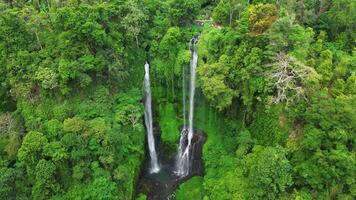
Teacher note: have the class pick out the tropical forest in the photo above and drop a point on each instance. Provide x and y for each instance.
(177, 99)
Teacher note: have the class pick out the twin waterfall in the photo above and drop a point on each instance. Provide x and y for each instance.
(148, 121)
(183, 164)
(184, 158)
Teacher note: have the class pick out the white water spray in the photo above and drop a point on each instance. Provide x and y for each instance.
(148, 121)
(184, 99)
(183, 164)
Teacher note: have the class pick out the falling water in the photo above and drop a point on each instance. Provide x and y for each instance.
(148, 121)
(183, 164)
(184, 100)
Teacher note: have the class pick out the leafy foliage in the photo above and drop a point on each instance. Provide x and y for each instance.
(275, 97)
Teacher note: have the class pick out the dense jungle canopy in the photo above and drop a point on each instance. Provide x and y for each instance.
(275, 96)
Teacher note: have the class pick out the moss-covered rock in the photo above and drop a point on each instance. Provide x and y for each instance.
(169, 124)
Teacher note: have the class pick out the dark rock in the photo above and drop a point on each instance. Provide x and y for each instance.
(159, 186)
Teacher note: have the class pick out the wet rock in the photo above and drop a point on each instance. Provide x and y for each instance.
(160, 186)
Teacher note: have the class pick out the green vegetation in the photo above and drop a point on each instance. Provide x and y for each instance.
(276, 96)
(192, 189)
(169, 126)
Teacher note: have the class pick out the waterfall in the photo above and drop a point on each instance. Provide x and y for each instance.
(183, 163)
(148, 121)
(184, 100)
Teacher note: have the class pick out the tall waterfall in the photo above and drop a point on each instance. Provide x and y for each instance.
(148, 121)
(183, 164)
(184, 99)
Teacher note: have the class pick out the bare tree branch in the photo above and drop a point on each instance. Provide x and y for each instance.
(288, 74)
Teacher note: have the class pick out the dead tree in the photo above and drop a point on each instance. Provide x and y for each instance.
(288, 75)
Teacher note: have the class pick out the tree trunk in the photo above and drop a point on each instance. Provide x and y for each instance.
(38, 39)
(136, 41)
(231, 14)
(173, 95)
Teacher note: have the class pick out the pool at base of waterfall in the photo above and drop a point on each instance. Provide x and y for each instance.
(161, 185)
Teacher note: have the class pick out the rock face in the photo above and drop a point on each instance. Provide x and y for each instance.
(197, 151)
(159, 186)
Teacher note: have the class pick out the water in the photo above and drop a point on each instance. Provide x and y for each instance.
(184, 100)
(183, 164)
(148, 121)
(172, 169)
(183, 138)
(161, 185)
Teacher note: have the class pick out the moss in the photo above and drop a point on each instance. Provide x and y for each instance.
(141, 197)
(221, 139)
(220, 130)
(169, 124)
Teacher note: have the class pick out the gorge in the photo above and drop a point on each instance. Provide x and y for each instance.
(114, 100)
(184, 157)
(159, 183)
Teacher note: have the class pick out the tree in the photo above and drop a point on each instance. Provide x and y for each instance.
(285, 35)
(268, 172)
(261, 17)
(8, 177)
(325, 65)
(135, 19)
(227, 11)
(128, 111)
(56, 151)
(47, 78)
(182, 11)
(45, 184)
(306, 11)
(31, 151)
(340, 15)
(170, 48)
(192, 189)
(101, 188)
(338, 87)
(169, 44)
(350, 87)
(75, 125)
(245, 75)
(323, 161)
(220, 13)
(212, 81)
(289, 75)
(7, 124)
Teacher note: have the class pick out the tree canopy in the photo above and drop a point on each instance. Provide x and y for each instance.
(276, 93)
